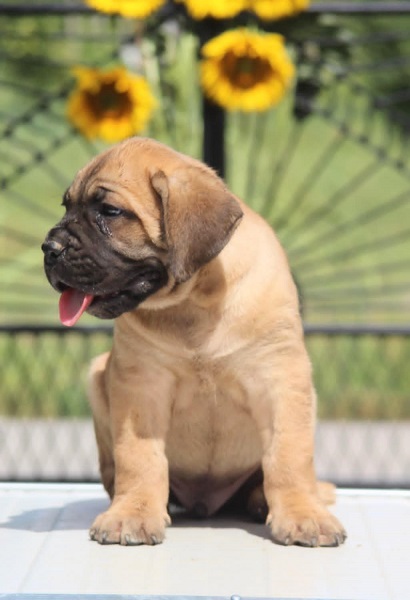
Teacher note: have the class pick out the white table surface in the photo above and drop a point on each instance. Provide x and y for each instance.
(44, 549)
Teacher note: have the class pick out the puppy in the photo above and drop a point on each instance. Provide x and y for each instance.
(208, 381)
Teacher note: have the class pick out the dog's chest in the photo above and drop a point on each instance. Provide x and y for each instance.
(213, 444)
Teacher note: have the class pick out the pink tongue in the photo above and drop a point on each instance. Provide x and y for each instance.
(72, 305)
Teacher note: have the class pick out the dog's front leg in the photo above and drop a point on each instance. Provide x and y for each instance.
(138, 416)
(296, 513)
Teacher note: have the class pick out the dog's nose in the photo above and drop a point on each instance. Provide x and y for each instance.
(52, 250)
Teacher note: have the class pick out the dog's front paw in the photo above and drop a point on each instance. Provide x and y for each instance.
(306, 523)
(129, 528)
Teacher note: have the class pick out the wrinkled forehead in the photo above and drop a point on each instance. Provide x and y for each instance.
(102, 167)
(127, 164)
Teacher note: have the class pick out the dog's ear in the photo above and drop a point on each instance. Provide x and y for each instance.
(199, 217)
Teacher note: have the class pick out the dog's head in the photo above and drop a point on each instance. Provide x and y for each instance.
(137, 216)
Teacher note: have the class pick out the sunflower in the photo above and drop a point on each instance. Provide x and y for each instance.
(245, 70)
(138, 9)
(224, 9)
(277, 9)
(218, 9)
(110, 105)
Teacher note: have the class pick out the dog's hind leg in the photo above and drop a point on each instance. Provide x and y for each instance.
(99, 404)
(257, 506)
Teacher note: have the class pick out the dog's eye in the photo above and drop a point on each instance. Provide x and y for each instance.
(107, 210)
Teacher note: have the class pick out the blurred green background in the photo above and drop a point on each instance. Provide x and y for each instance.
(328, 168)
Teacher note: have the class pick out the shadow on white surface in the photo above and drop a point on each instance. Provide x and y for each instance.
(79, 515)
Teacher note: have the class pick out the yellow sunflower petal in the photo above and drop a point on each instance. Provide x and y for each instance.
(277, 9)
(218, 9)
(138, 9)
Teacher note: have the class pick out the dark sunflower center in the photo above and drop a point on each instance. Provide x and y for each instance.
(246, 71)
(109, 102)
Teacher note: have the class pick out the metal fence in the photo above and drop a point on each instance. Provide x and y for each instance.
(361, 376)
(328, 168)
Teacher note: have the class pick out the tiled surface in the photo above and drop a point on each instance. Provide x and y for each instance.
(44, 549)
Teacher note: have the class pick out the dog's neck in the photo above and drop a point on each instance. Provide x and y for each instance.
(206, 288)
(183, 315)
